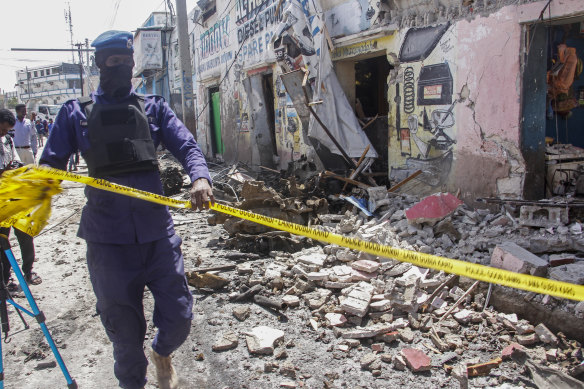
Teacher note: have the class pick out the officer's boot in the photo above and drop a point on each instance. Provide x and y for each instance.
(167, 378)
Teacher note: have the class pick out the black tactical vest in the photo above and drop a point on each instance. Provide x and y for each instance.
(119, 138)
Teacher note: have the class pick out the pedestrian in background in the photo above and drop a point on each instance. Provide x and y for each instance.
(131, 243)
(25, 138)
(9, 159)
(40, 128)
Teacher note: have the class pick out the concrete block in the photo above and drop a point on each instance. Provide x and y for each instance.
(228, 341)
(316, 259)
(537, 216)
(510, 256)
(378, 347)
(382, 305)
(366, 332)
(507, 351)
(261, 340)
(388, 337)
(317, 276)
(416, 360)
(573, 273)
(366, 265)
(244, 268)
(335, 319)
(526, 340)
(274, 270)
(355, 306)
(358, 275)
(291, 300)
(545, 335)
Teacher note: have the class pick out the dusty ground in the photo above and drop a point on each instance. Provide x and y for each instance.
(66, 298)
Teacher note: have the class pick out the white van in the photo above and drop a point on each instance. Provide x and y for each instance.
(47, 111)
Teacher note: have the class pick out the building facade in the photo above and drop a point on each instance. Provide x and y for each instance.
(458, 90)
(55, 84)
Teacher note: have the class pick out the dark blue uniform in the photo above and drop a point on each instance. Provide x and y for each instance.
(131, 243)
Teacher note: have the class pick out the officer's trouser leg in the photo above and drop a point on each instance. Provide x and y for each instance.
(117, 276)
(173, 300)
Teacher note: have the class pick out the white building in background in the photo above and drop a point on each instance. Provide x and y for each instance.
(54, 84)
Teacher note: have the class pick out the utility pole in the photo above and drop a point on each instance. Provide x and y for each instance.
(185, 67)
(87, 51)
(70, 22)
(79, 46)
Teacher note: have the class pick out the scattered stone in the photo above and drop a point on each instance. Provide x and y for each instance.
(523, 327)
(357, 302)
(343, 347)
(528, 339)
(317, 276)
(366, 332)
(244, 268)
(228, 341)
(335, 319)
(507, 351)
(379, 306)
(551, 355)
(406, 335)
(261, 340)
(287, 384)
(545, 335)
(378, 347)
(317, 298)
(291, 301)
(241, 312)
(366, 266)
(367, 361)
(273, 270)
(399, 362)
(416, 360)
(270, 367)
(510, 256)
(288, 369)
(464, 316)
(573, 273)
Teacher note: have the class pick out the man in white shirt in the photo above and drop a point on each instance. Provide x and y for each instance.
(9, 160)
(25, 137)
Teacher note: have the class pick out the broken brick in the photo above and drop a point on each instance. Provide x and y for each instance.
(507, 351)
(416, 360)
(510, 256)
(366, 265)
(433, 208)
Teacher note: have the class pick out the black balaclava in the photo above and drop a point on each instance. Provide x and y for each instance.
(115, 81)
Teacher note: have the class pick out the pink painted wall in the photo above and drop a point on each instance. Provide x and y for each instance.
(488, 67)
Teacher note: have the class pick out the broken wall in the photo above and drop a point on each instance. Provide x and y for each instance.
(455, 88)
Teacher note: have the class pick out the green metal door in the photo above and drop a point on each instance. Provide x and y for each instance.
(216, 107)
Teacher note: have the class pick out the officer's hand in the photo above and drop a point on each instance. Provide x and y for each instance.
(201, 194)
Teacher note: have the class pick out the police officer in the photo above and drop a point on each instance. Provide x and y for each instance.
(131, 244)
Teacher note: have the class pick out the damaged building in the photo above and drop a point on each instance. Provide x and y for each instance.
(465, 92)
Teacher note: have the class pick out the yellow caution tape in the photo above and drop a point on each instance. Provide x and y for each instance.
(452, 266)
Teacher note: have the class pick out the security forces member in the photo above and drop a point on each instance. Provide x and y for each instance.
(131, 243)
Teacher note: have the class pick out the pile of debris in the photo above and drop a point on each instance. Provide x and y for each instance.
(396, 314)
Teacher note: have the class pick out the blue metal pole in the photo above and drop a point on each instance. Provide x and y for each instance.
(40, 317)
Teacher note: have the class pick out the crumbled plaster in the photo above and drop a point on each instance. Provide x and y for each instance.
(511, 185)
(418, 13)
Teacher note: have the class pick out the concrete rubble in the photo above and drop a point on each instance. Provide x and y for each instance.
(397, 314)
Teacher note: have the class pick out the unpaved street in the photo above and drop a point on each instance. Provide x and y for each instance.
(311, 353)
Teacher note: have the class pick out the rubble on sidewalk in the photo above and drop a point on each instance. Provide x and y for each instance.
(385, 314)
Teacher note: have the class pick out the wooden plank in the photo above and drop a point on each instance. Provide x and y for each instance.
(358, 164)
(403, 182)
(341, 178)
